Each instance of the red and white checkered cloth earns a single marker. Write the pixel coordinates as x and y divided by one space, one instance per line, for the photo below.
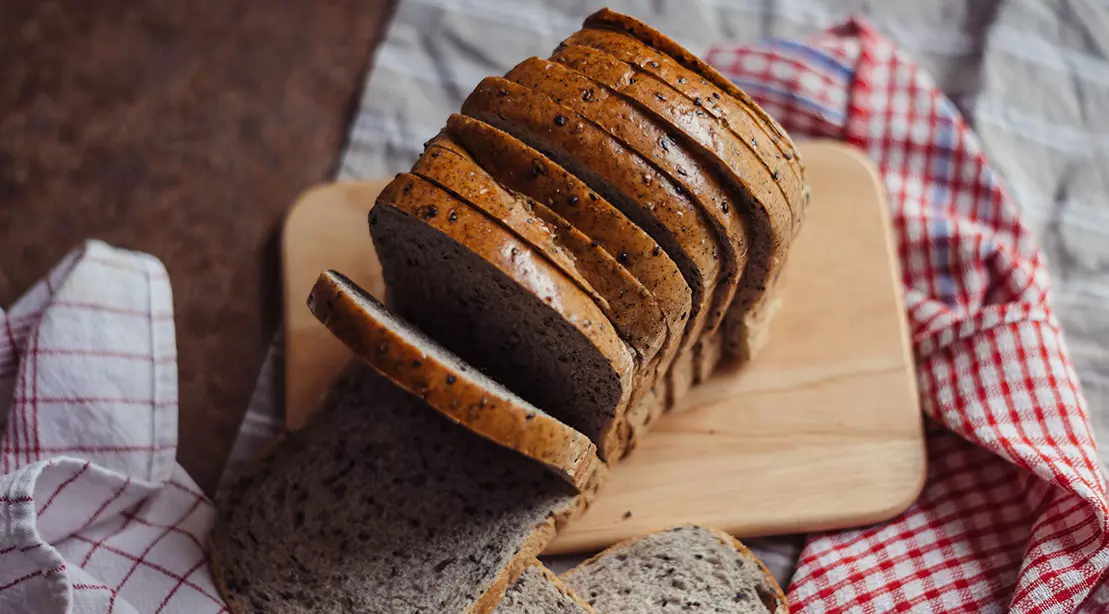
1014 513
95 514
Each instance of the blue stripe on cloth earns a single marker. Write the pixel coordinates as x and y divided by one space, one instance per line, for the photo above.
816 56
833 115
940 232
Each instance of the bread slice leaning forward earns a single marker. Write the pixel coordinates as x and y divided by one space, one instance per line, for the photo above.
686 569
538 591
381 505
445 382
468 283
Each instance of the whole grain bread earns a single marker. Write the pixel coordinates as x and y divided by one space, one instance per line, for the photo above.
685 569
525 170
627 180
521 168
473 286
381 505
649 136
633 309
759 201
627 303
452 169
609 19
538 591
445 382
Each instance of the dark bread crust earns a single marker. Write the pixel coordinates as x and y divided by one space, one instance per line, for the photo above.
448 386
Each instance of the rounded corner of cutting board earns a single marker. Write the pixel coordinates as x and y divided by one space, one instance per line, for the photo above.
834 403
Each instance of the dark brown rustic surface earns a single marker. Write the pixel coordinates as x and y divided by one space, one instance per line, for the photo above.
182 129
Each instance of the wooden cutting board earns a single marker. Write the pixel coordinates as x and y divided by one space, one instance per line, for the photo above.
822 431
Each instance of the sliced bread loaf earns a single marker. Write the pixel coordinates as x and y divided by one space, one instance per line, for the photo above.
717 84
451 168
380 505
470 284
538 591
686 569
629 307
760 199
445 382
621 176
523 169
637 129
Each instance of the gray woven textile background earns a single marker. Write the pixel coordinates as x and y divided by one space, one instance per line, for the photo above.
1031 76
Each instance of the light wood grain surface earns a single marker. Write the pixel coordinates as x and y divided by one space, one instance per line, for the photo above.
821 431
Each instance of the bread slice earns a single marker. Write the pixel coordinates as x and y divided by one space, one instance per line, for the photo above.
467 282
650 137
524 170
733 101
381 505
445 382
621 176
761 202
627 303
686 569
451 169
538 591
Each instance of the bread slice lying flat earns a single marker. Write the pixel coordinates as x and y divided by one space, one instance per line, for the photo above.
381 505
474 287
538 591
686 569
446 383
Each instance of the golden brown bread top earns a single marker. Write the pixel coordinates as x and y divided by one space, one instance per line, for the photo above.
650 136
449 166
769 223
608 19
523 169
644 187
746 126
446 383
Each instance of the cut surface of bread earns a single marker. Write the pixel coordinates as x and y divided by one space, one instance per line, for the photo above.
471 285
686 569
519 167
606 281
621 176
538 591
381 505
445 382
632 124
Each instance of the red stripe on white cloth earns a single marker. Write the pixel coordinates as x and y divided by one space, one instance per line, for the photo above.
1014 512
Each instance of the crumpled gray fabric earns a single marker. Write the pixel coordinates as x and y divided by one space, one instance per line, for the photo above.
1031 76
